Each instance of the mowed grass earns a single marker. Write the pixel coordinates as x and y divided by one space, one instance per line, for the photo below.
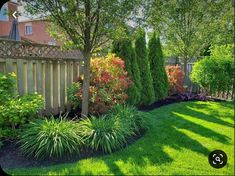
179 140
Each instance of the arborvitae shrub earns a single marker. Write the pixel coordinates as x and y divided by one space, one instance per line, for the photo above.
157 67
147 93
123 49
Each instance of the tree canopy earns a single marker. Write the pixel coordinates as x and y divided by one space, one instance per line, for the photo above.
189 26
85 25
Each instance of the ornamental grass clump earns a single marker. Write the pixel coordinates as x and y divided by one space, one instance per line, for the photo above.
131 116
111 132
50 138
104 134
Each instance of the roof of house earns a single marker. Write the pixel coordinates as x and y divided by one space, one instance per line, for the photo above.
12 2
32 20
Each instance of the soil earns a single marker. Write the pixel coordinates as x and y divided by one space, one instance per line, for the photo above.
175 99
168 100
11 156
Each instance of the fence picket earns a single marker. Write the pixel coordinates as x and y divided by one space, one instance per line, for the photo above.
80 68
48 87
55 87
69 81
2 67
20 76
62 86
75 71
49 73
39 77
9 66
30 82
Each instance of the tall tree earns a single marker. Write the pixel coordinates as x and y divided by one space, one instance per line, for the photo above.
124 49
188 26
147 92
85 24
157 67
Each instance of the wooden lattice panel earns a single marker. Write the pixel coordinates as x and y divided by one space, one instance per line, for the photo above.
14 49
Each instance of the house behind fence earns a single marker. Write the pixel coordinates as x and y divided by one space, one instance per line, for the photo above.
42 68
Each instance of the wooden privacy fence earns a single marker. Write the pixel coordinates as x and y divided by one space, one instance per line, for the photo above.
42 68
195 88
192 87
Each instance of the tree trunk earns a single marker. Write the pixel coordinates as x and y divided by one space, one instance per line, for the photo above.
87 57
232 95
185 71
86 85
177 60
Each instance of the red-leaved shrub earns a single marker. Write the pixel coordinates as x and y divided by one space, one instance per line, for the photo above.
108 84
175 78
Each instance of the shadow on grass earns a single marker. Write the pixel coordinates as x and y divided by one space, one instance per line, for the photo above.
165 132
199 129
165 125
212 115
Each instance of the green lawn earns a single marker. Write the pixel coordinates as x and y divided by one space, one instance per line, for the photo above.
179 140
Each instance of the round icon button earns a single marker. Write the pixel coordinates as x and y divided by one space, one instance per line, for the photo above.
217 159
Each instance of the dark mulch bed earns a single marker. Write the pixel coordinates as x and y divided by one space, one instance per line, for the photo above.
168 100
178 98
11 156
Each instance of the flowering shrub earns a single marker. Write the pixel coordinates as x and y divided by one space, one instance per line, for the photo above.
175 78
108 83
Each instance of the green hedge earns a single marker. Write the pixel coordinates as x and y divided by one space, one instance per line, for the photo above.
215 73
